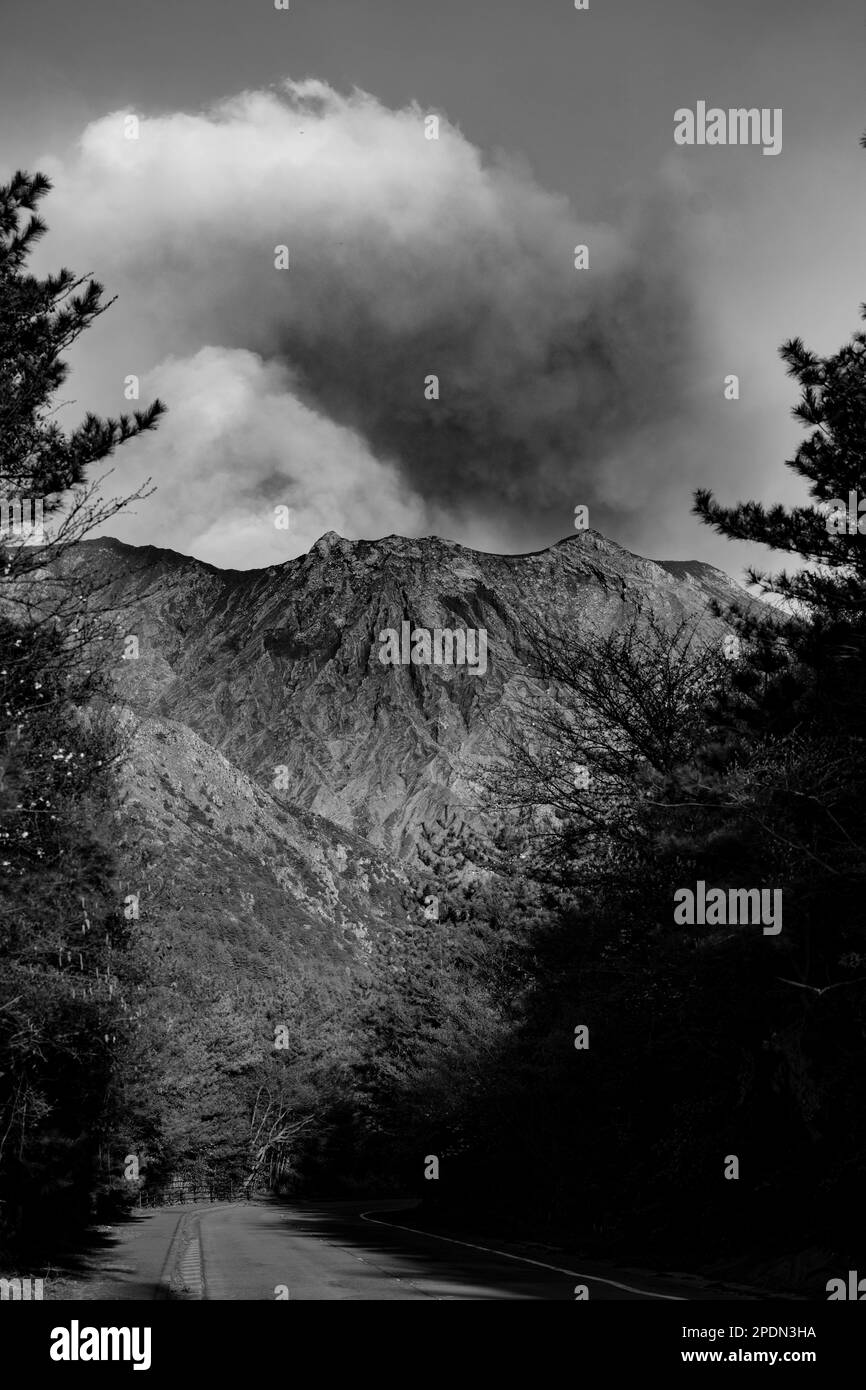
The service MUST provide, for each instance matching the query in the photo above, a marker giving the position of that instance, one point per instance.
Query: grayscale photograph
(433, 671)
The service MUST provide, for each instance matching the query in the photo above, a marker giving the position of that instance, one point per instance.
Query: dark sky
(451, 257)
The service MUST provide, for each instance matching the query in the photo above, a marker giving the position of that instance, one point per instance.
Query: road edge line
(523, 1259)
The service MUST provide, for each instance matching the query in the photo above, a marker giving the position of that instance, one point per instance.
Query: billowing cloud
(408, 258)
(238, 445)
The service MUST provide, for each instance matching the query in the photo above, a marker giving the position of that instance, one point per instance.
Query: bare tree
(607, 721)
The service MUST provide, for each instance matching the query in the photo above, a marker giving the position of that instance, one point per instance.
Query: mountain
(278, 669)
(280, 783)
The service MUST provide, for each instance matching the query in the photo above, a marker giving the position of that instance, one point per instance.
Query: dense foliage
(67, 1011)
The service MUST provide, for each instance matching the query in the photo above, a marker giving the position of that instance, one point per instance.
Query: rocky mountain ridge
(279, 670)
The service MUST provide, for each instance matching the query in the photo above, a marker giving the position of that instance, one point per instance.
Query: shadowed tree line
(68, 1018)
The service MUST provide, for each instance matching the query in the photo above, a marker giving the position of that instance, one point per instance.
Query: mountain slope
(279, 668)
(250, 914)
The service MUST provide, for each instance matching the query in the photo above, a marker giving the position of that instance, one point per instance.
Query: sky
(307, 386)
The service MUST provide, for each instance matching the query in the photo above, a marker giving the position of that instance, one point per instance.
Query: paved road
(333, 1252)
(338, 1250)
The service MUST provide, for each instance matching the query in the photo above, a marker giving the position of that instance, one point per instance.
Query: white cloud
(237, 444)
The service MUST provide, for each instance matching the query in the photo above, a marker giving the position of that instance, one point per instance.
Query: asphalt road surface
(340, 1250)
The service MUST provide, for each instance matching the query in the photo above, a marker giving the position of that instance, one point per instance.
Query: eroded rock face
(239, 894)
(279, 668)
(210, 831)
